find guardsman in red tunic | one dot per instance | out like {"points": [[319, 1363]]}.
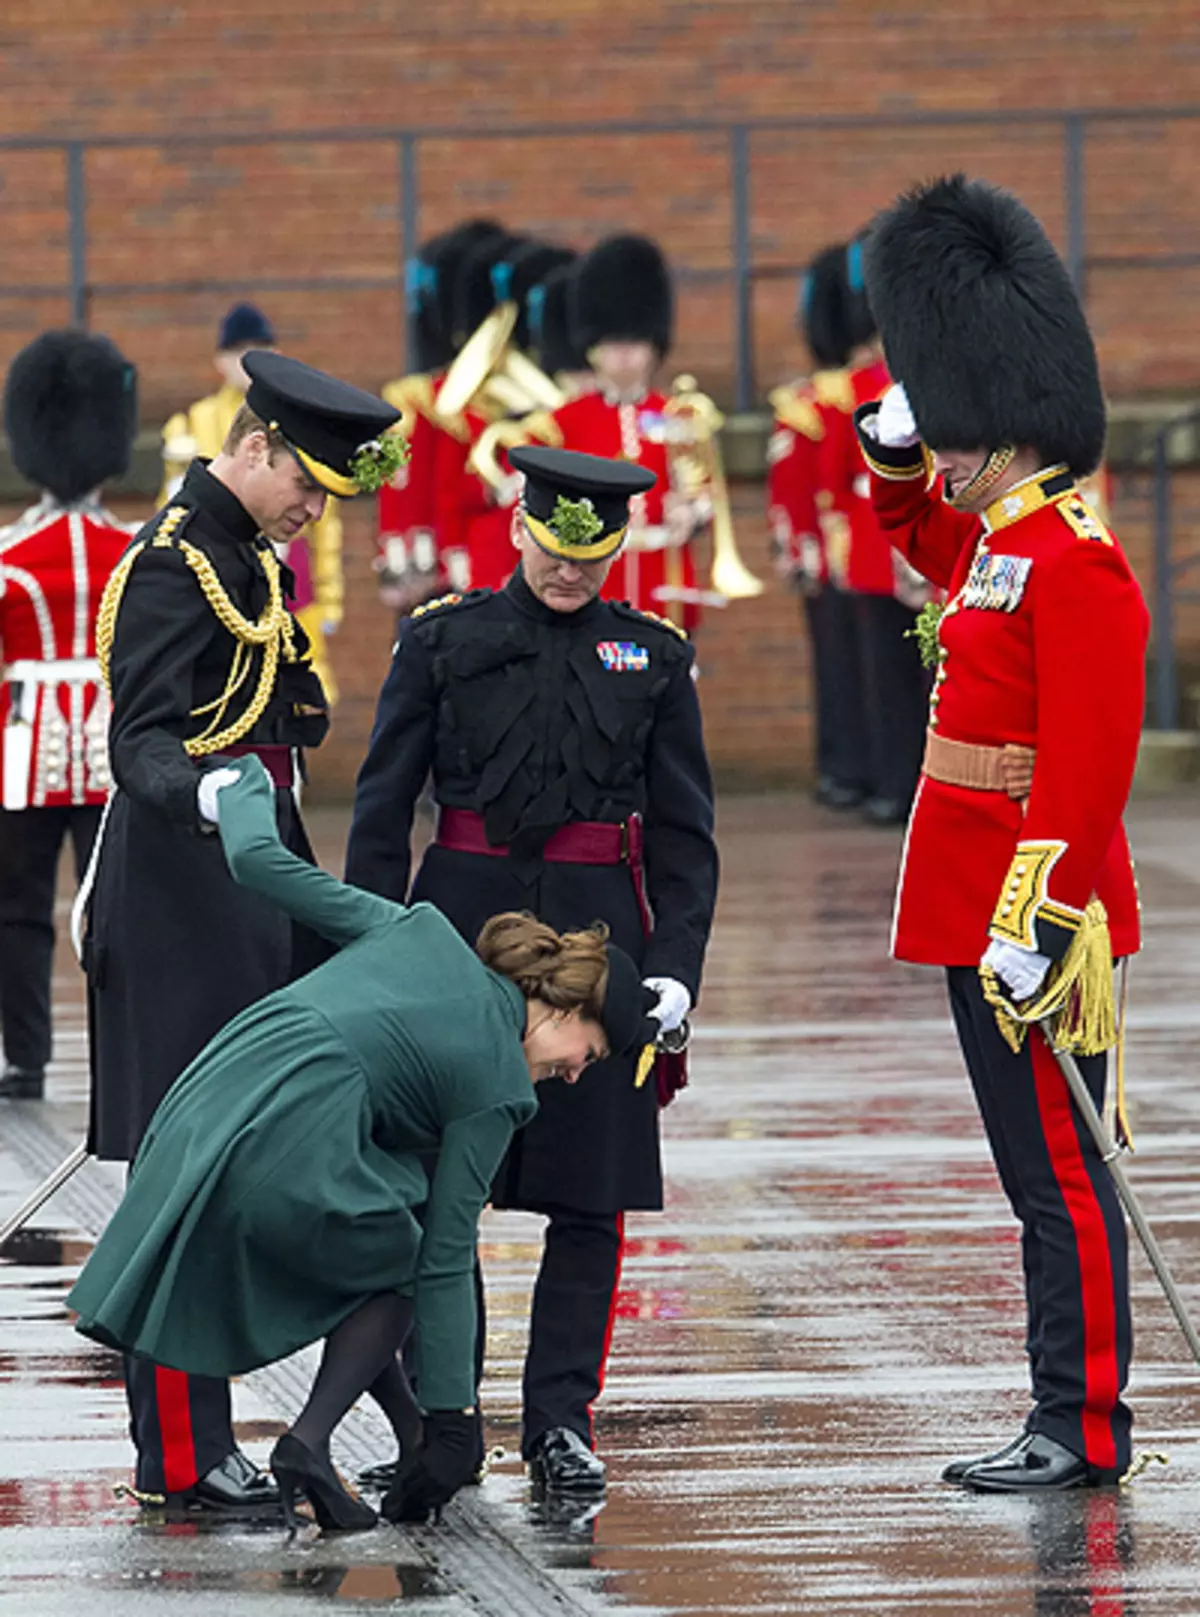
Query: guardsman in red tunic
{"points": [[806, 413], [622, 315], [412, 560], [70, 413], [1034, 727]]}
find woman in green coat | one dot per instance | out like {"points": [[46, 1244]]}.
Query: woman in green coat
{"points": [[281, 1192]]}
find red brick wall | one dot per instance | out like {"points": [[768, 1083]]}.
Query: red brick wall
{"points": [[239, 214]]}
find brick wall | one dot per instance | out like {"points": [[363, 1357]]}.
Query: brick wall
{"points": [[211, 214]]}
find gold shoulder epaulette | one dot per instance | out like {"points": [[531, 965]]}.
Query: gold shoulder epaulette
{"points": [[432, 606], [172, 522], [412, 396], [835, 389], [794, 407], [1082, 520], [652, 617]]}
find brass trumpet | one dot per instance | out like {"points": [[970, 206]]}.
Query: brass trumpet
{"points": [[490, 370], [697, 470]]}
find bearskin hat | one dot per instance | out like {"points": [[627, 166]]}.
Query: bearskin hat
{"points": [[981, 323], [70, 412], [622, 292], [527, 268], [821, 312], [474, 293], [858, 319], [429, 281], [551, 335]]}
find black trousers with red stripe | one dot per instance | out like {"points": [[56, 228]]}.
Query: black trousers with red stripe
{"points": [[1073, 1237], [181, 1425], [570, 1328]]}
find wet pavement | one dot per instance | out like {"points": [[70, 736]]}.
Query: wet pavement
{"points": [[826, 1313]]}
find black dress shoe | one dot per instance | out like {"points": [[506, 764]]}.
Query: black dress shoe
{"points": [[234, 1487], [1037, 1464], [22, 1083], [885, 811], [957, 1469], [832, 794], [302, 1474], [561, 1462]]}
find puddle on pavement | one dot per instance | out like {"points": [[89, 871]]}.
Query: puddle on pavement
{"points": [[365, 1583], [36, 1248]]}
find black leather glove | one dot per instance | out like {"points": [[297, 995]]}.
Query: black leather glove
{"points": [[450, 1451]]}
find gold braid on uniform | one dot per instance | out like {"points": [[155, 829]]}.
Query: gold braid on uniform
{"points": [[272, 631]]}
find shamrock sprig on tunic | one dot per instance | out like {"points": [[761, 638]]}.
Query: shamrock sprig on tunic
{"points": [[925, 632], [574, 522], [377, 462]]}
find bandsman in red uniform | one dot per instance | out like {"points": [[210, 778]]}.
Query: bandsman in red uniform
{"points": [[622, 317], [552, 338], [806, 413], [1033, 736], [70, 414], [412, 560]]}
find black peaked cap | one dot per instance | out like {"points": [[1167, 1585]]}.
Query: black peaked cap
{"points": [[596, 490], [325, 420]]}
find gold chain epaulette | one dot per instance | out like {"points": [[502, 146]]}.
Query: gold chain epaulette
{"points": [[654, 617], [834, 388], [271, 631]]}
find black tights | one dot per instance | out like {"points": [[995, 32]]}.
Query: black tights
{"points": [[360, 1356]]}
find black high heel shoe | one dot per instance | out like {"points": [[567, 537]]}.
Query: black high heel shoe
{"points": [[301, 1473]]}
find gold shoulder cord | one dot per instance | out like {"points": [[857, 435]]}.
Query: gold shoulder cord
{"points": [[272, 631]]}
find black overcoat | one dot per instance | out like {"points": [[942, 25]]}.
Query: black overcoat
{"points": [[535, 719], [173, 946]]}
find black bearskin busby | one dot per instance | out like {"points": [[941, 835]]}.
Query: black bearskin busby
{"points": [[524, 271], [429, 286], [481, 274], [70, 412], [982, 325], [821, 312], [622, 292], [551, 334]]}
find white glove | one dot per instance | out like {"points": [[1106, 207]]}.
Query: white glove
{"points": [[1020, 970], [895, 424], [207, 790], [674, 1002]]}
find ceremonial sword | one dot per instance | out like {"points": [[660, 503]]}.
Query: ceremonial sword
{"points": [[1110, 1154]]}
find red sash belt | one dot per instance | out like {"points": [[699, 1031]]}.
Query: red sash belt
{"points": [[276, 760]]}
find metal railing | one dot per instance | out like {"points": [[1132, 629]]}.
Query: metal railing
{"points": [[1072, 128]]}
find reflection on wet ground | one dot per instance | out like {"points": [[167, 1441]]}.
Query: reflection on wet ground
{"points": [[827, 1312]]}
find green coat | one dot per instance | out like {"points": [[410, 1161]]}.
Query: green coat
{"points": [[281, 1181]]}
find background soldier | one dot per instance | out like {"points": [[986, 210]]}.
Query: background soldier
{"points": [[1034, 727], [314, 558], [203, 660], [70, 414], [563, 732]]}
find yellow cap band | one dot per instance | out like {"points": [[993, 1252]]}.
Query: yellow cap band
{"points": [[332, 482], [601, 550]]}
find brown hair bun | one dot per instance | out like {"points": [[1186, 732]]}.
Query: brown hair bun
{"points": [[567, 970]]}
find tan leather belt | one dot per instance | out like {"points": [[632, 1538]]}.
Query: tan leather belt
{"points": [[1006, 769]]}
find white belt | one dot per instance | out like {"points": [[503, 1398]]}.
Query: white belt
{"points": [[55, 671]]}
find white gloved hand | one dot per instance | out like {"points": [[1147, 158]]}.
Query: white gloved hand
{"points": [[895, 424], [208, 789], [1020, 970], [674, 1002]]}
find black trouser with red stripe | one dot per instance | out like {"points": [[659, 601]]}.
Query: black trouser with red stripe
{"points": [[1073, 1237], [570, 1329], [181, 1425]]}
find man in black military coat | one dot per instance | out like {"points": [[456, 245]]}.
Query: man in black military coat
{"points": [[203, 661], [564, 737]]}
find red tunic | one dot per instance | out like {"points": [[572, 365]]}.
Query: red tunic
{"points": [[792, 458], [470, 517], [649, 562], [54, 711], [860, 555], [409, 536], [1042, 644]]}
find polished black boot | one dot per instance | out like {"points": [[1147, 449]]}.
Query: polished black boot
{"points": [[561, 1462], [957, 1469], [233, 1487], [1037, 1464], [22, 1083]]}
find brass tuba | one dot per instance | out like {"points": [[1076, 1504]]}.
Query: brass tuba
{"points": [[490, 370], [697, 470]]}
